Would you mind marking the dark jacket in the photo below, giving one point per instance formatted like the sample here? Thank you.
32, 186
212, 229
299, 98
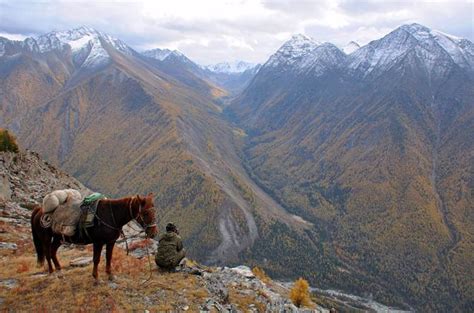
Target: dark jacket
170, 250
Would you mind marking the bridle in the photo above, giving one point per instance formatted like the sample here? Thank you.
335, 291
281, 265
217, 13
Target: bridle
139, 215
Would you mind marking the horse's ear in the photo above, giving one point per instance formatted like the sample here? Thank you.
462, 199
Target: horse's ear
138, 197
151, 195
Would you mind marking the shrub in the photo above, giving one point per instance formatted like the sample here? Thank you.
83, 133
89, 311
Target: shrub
299, 294
260, 274
7, 141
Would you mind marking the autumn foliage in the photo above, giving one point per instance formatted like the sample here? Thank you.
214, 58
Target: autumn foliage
260, 274
299, 294
7, 141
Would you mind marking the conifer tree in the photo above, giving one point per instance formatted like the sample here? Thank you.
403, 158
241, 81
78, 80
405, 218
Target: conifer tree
299, 294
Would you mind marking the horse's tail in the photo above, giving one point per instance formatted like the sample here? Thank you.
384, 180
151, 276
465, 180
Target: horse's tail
35, 224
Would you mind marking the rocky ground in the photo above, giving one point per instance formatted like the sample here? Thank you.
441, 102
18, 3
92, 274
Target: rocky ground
25, 179
23, 287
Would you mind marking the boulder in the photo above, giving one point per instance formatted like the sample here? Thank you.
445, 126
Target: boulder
244, 271
8, 245
81, 262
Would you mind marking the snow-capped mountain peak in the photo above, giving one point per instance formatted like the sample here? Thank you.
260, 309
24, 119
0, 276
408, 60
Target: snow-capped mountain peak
433, 48
350, 47
85, 43
230, 67
459, 49
293, 50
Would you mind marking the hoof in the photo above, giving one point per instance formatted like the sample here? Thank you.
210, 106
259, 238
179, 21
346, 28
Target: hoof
59, 274
111, 277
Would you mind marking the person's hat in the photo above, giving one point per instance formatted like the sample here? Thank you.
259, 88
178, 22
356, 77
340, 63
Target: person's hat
170, 227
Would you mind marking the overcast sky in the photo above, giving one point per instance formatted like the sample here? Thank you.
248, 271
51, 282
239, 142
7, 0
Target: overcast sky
210, 31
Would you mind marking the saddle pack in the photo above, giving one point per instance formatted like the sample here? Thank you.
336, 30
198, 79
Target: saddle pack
65, 211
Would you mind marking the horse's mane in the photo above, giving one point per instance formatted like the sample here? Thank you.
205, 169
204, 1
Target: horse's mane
117, 201
122, 201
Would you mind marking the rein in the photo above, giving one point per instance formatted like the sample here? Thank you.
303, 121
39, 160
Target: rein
146, 226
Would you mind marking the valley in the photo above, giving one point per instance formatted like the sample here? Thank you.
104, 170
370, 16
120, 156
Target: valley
350, 167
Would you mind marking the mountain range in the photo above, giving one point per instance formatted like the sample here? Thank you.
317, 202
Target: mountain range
350, 167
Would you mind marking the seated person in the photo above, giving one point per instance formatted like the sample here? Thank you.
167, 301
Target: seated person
170, 249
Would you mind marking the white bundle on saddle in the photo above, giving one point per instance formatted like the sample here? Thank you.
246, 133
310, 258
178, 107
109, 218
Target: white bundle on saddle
62, 211
59, 197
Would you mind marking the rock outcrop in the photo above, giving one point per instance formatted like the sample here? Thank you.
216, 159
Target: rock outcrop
25, 178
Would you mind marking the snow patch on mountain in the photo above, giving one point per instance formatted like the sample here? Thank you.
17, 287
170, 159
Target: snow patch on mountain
79, 43
325, 57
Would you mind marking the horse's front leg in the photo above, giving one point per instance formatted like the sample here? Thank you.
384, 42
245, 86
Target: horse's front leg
96, 258
54, 249
108, 268
47, 254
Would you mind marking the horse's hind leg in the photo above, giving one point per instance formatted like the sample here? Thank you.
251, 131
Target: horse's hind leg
54, 249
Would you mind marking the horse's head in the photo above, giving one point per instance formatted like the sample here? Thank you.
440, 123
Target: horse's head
146, 215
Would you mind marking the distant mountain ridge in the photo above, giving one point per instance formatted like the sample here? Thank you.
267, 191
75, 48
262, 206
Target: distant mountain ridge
230, 67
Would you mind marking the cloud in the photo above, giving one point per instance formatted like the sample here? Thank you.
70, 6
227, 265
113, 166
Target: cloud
210, 31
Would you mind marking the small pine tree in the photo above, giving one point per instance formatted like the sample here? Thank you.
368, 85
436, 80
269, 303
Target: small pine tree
7, 141
299, 294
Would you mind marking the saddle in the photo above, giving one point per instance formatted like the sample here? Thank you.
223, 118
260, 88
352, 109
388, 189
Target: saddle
88, 210
65, 211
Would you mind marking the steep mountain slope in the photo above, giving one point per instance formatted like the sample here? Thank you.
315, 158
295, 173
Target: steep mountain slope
178, 66
131, 125
365, 145
116, 129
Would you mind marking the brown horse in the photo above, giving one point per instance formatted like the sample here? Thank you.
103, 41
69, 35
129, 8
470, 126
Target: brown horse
111, 216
